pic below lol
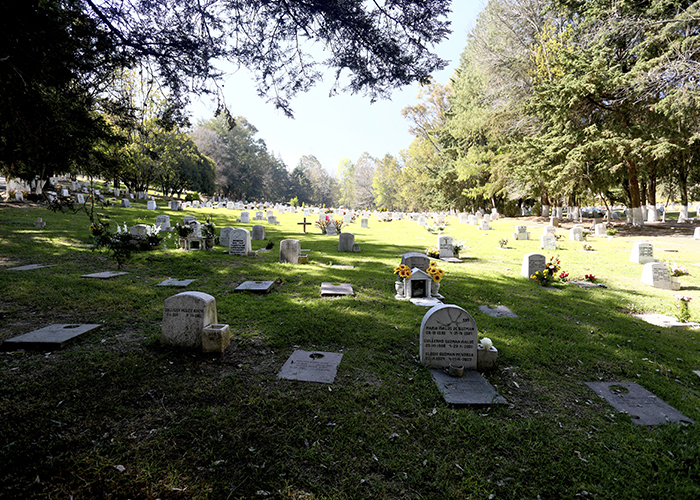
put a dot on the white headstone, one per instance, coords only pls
(258, 232)
(175, 205)
(245, 217)
(448, 335)
(272, 219)
(230, 205)
(656, 274)
(484, 225)
(184, 317)
(521, 233)
(532, 262)
(81, 198)
(225, 236)
(422, 221)
(696, 233)
(239, 242)
(139, 230)
(600, 229)
(548, 242)
(151, 205)
(549, 229)
(445, 246)
(364, 222)
(163, 222)
(463, 218)
(415, 259)
(576, 233)
(125, 203)
(642, 253)
(331, 228)
(290, 250)
(346, 242)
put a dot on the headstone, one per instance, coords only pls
(642, 253)
(272, 220)
(576, 233)
(364, 222)
(245, 217)
(448, 335)
(347, 219)
(548, 242)
(259, 216)
(81, 198)
(239, 242)
(255, 286)
(521, 233)
(484, 225)
(463, 218)
(600, 229)
(445, 246)
(195, 203)
(163, 222)
(554, 221)
(549, 229)
(419, 285)
(65, 193)
(29, 267)
(346, 242)
(138, 230)
(151, 205)
(656, 274)
(225, 236)
(422, 221)
(258, 232)
(499, 311)
(48, 338)
(175, 282)
(696, 233)
(126, 203)
(230, 205)
(290, 249)
(184, 317)
(331, 228)
(175, 205)
(419, 260)
(314, 366)
(196, 229)
(216, 338)
(532, 262)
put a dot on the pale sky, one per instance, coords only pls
(343, 126)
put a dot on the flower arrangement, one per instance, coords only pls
(585, 233)
(433, 252)
(503, 242)
(549, 274)
(486, 343)
(96, 228)
(402, 271)
(590, 278)
(457, 246)
(323, 224)
(184, 230)
(587, 247)
(563, 276)
(208, 229)
(338, 225)
(435, 272)
(677, 270)
(683, 313)
(611, 231)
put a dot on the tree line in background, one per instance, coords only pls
(563, 102)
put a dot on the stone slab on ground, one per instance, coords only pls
(500, 311)
(104, 275)
(176, 282)
(255, 286)
(311, 366)
(471, 389)
(48, 338)
(333, 290)
(452, 260)
(430, 302)
(28, 267)
(342, 266)
(587, 284)
(643, 406)
(665, 321)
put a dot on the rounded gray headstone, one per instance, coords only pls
(448, 334)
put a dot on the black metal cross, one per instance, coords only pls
(304, 224)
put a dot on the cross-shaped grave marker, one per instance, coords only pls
(304, 224)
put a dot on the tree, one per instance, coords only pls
(385, 183)
(346, 172)
(364, 173)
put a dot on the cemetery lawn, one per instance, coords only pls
(117, 415)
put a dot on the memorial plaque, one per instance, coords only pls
(48, 338)
(29, 267)
(311, 366)
(175, 282)
(471, 389)
(104, 275)
(448, 334)
(330, 289)
(255, 286)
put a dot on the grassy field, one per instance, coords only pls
(117, 415)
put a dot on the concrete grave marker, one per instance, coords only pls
(336, 290)
(471, 389)
(656, 274)
(532, 262)
(81, 198)
(290, 250)
(311, 366)
(216, 338)
(184, 317)
(642, 253)
(245, 217)
(415, 259)
(448, 335)
(346, 242)
(643, 406)
(225, 236)
(445, 246)
(521, 233)
(239, 242)
(576, 233)
(48, 338)
(28, 267)
(176, 282)
(258, 233)
(255, 286)
(548, 242)
(151, 205)
(364, 222)
(104, 275)
(126, 203)
(163, 222)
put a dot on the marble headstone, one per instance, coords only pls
(184, 317)
(448, 335)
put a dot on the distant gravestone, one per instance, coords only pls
(225, 236)
(463, 218)
(138, 230)
(126, 203)
(696, 233)
(549, 229)
(548, 242)
(656, 274)
(259, 216)
(422, 221)
(365, 223)
(521, 233)
(448, 335)
(576, 233)
(642, 253)
(151, 205)
(484, 225)
(258, 232)
(331, 228)
(445, 246)
(81, 198)
(532, 262)
(245, 217)
(176, 282)
(184, 317)
(554, 221)
(417, 259)
(239, 242)
(230, 205)
(290, 249)
(346, 242)
(255, 286)
(175, 205)
(600, 229)
(163, 222)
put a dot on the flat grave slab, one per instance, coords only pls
(311, 366)
(333, 290)
(587, 284)
(28, 267)
(175, 282)
(500, 311)
(638, 403)
(452, 260)
(104, 275)
(665, 321)
(48, 338)
(471, 389)
(255, 286)
(342, 266)
(423, 302)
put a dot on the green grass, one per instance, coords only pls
(187, 425)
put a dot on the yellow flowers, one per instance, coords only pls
(435, 272)
(403, 271)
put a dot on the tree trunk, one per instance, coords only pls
(683, 189)
(635, 208)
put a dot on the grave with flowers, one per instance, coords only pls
(418, 279)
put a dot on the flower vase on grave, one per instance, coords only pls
(399, 287)
(183, 243)
(434, 288)
(210, 243)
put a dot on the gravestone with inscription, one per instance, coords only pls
(364, 222)
(656, 274)
(184, 317)
(532, 262)
(548, 241)
(239, 242)
(415, 259)
(576, 233)
(521, 233)
(642, 253)
(225, 236)
(163, 222)
(290, 249)
(445, 246)
(245, 217)
(448, 335)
